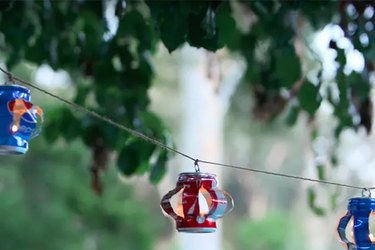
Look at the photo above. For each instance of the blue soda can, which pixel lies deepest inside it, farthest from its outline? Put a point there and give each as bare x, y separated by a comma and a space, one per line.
18, 119
359, 211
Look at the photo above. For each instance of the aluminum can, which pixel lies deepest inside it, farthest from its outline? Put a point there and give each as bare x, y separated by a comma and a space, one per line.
199, 203
357, 216
16, 141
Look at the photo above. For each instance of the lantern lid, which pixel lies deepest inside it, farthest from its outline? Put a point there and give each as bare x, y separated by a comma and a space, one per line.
14, 87
195, 175
358, 203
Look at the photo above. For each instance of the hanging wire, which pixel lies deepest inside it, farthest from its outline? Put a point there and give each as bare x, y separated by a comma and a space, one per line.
170, 149
366, 192
196, 165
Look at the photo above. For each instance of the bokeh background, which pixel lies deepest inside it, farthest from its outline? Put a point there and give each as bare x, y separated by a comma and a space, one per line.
46, 198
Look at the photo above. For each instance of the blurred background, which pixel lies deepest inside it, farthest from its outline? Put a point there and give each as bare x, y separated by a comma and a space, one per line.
48, 199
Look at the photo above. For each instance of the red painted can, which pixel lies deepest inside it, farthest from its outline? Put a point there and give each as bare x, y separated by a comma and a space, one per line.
199, 203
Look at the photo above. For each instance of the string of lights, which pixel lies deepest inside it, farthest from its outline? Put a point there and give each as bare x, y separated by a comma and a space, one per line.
168, 148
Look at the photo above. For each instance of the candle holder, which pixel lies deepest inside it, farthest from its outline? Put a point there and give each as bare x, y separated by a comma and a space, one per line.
199, 203
360, 209
20, 120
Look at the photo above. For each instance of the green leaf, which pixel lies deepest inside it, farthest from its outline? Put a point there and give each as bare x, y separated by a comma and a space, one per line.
82, 92
152, 122
292, 115
134, 156
287, 67
360, 86
133, 24
51, 131
226, 26
321, 172
314, 134
69, 125
143, 167
159, 169
173, 29
129, 159
334, 160
199, 35
333, 200
309, 97
311, 198
171, 20
341, 58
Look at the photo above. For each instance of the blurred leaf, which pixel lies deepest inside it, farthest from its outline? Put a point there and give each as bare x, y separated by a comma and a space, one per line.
151, 121
159, 169
309, 97
199, 34
143, 167
51, 131
288, 67
226, 26
129, 159
341, 57
311, 198
82, 92
333, 200
292, 115
321, 172
360, 87
314, 134
134, 156
69, 126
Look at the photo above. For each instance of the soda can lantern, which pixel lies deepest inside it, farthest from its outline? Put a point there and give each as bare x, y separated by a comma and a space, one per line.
20, 120
199, 203
357, 216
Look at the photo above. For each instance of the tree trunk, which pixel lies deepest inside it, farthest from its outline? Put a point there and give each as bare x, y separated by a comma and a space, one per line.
206, 87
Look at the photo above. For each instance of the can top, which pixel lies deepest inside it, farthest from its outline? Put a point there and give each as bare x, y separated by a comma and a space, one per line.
194, 176
14, 87
361, 203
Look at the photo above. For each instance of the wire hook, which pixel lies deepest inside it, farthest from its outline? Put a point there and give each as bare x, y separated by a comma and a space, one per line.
10, 79
196, 166
366, 192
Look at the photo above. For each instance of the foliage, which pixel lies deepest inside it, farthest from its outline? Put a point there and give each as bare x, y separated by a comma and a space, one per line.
70, 35
271, 232
44, 204
75, 36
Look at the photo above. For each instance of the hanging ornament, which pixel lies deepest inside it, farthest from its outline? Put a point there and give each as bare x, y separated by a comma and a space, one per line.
357, 216
20, 120
199, 202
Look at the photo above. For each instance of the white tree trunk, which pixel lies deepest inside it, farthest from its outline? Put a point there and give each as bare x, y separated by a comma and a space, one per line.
205, 97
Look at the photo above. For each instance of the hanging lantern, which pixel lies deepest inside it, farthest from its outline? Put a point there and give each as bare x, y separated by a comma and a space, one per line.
199, 203
20, 120
360, 209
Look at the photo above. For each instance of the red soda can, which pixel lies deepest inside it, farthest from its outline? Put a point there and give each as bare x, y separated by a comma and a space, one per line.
199, 203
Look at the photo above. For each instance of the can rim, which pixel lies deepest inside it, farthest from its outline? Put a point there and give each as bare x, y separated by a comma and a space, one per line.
190, 176
13, 87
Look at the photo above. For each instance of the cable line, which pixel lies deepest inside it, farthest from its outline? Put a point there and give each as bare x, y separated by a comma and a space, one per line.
168, 148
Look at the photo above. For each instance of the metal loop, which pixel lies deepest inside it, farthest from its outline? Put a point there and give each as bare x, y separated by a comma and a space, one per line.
196, 166
366, 192
10, 79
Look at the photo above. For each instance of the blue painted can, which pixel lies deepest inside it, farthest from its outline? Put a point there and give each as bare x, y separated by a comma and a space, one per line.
15, 142
359, 210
